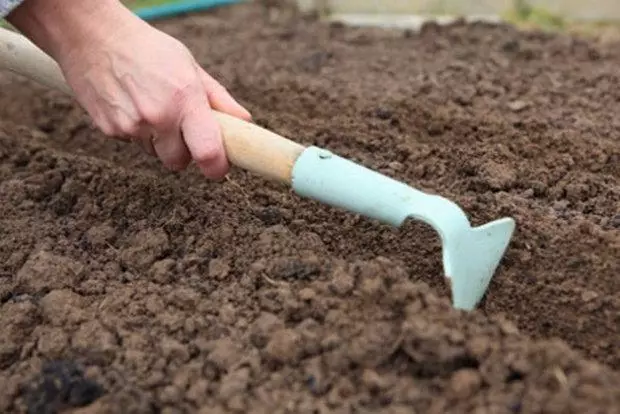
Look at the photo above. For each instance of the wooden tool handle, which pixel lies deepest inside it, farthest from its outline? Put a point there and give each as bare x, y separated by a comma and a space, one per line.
248, 146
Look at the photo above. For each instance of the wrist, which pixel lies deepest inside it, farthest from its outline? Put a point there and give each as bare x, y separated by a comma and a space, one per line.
59, 28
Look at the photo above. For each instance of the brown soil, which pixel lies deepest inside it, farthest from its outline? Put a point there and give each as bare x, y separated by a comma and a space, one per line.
126, 288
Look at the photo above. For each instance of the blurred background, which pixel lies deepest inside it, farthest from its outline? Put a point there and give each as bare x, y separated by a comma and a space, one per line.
600, 17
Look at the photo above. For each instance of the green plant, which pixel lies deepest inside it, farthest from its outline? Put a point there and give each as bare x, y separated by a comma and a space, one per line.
524, 13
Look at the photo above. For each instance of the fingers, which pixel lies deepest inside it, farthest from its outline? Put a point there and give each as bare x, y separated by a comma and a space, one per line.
184, 131
179, 126
169, 146
220, 99
203, 139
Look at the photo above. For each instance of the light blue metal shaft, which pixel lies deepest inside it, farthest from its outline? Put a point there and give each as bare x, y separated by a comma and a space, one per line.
331, 179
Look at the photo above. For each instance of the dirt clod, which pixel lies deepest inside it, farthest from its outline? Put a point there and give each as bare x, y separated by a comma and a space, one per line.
44, 271
465, 383
61, 385
284, 346
144, 248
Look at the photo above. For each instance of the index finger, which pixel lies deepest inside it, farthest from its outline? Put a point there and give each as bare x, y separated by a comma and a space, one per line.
203, 138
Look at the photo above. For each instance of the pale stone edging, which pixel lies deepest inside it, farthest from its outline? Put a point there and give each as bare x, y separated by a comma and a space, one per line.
361, 10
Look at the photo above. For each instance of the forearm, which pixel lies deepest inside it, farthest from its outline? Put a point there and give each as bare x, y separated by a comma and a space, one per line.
60, 26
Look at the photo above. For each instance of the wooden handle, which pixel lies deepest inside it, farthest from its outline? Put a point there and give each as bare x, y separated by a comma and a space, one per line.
248, 146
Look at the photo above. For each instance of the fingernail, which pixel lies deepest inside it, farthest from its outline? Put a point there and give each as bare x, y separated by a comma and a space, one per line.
209, 173
206, 172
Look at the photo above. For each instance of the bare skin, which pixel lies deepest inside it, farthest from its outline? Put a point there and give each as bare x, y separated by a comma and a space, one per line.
135, 81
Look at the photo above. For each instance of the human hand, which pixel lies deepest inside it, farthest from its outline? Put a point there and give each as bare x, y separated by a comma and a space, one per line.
139, 83
146, 85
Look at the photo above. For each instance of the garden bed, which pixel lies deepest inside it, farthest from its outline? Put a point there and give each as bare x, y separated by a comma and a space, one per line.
161, 292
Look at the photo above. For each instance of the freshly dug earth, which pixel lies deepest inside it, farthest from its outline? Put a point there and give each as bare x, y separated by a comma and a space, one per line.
127, 288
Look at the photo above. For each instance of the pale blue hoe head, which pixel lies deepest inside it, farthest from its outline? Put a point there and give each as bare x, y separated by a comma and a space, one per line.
471, 255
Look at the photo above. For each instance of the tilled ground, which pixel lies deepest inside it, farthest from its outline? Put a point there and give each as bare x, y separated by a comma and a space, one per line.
126, 288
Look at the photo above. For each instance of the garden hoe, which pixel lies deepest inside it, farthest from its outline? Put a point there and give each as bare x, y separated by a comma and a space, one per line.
470, 254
